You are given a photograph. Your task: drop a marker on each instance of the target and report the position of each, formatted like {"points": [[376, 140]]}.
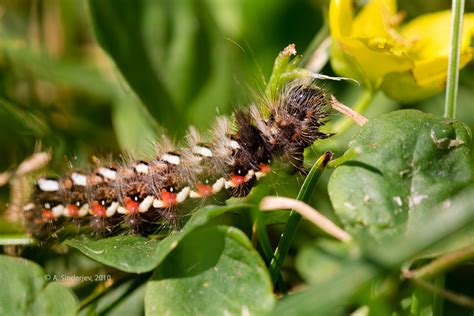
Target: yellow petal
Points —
{"points": [[375, 19], [434, 71], [425, 80], [340, 17], [345, 65], [402, 87], [430, 34], [377, 56]]}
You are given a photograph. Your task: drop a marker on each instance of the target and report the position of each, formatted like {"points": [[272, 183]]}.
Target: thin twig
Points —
{"points": [[443, 263], [358, 118], [271, 203], [457, 298]]}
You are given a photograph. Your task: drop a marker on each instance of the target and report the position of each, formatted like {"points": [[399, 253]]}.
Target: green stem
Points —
{"points": [[361, 105], [16, 239], [313, 51], [294, 218], [457, 12]]}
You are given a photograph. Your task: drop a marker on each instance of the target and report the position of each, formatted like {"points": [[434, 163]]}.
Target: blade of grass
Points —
{"points": [[457, 12], [295, 218]]}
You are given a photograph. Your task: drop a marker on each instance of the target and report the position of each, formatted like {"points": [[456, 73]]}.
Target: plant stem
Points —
{"points": [[294, 219], [317, 55], [457, 13], [457, 298], [271, 203], [16, 239], [362, 103], [444, 262]]}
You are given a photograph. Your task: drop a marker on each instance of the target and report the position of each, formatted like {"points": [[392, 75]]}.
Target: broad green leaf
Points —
{"points": [[408, 162], [321, 261], [137, 254], [335, 292], [214, 271], [26, 292]]}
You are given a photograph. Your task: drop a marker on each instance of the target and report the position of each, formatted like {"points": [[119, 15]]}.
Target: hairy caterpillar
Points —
{"points": [[142, 196]]}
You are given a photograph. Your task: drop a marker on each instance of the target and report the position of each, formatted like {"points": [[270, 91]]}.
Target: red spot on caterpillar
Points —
{"points": [[168, 198], [265, 168], [131, 205], [237, 180], [47, 215], [97, 209], [73, 210], [204, 190]]}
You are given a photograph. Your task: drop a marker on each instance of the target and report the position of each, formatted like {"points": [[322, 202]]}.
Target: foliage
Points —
{"points": [[98, 79]]}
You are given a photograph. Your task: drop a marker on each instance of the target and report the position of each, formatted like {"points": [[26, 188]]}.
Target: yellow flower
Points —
{"points": [[408, 63]]}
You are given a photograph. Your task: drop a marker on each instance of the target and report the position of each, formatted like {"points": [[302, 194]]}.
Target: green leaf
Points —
{"points": [[137, 254], [26, 292], [214, 271], [335, 292], [134, 254], [408, 162], [321, 261]]}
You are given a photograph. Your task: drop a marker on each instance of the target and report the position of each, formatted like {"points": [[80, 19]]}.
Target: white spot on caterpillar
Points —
{"points": [[111, 209], [47, 205], [233, 144], [183, 194], [202, 151], [28, 207], [83, 210], [249, 175], [218, 185], [58, 210], [398, 200], [157, 203], [79, 179], [228, 184], [146, 204], [122, 210], [108, 173], [260, 174], [47, 185], [172, 159], [194, 195], [141, 168]]}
